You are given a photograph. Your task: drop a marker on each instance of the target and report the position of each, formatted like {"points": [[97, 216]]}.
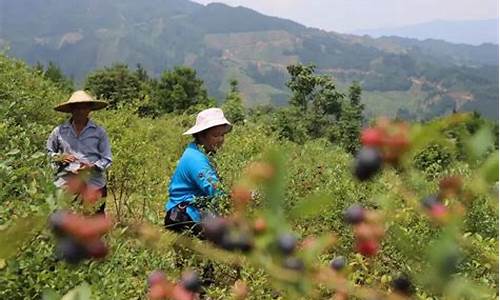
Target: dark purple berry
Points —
{"points": [[191, 282], [287, 243], [430, 201], [355, 214], [368, 162], [214, 229], [234, 240], [71, 251], [403, 285], [338, 263], [449, 263], [156, 277], [56, 221], [293, 263]]}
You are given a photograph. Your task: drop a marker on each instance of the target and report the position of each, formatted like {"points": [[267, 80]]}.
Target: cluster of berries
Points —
{"points": [[79, 237], [286, 244], [368, 229], [161, 288], [227, 234], [448, 187], [89, 194], [385, 142]]}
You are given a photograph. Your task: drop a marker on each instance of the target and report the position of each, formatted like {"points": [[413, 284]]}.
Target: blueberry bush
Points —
{"points": [[298, 220]]}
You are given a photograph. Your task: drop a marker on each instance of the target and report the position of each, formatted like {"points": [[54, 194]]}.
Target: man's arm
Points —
{"points": [[105, 151]]}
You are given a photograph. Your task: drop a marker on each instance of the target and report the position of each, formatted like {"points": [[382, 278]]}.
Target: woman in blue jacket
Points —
{"points": [[195, 179]]}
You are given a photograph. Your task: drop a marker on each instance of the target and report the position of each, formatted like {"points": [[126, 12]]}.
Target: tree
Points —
{"points": [[313, 92], [54, 74], [233, 105], [116, 84], [351, 120], [180, 90], [316, 97]]}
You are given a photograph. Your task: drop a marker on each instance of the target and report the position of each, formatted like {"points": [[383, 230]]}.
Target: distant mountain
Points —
{"points": [[473, 32], [401, 77]]}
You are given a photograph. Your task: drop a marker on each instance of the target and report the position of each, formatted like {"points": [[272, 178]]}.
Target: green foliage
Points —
{"points": [[351, 120], [116, 84], [433, 160], [312, 173], [180, 90], [233, 105], [55, 74]]}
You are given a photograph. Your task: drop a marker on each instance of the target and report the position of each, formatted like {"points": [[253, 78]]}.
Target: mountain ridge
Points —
{"points": [[223, 42]]}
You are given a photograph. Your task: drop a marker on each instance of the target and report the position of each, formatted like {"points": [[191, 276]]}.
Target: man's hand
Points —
{"points": [[86, 166], [68, 158]]}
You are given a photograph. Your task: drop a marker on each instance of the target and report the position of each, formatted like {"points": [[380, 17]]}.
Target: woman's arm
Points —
{"points": [[205, 177]]}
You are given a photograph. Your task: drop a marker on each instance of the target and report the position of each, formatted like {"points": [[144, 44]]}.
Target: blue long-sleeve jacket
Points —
{"points": [[194, 178]]}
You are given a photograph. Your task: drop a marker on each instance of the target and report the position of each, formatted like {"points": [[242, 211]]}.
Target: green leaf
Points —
{"points": [[37, 155], [489, 170], [312, 205], [18, 233], [13, 152], [50, 294], [81, 292], [478, 145]]}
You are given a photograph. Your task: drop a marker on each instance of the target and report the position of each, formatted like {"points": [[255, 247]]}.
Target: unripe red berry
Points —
{"points": [[260, 225], [372, 137], [97, 249], [156, 277], [241, 195], [439, 211], [367, 247]]}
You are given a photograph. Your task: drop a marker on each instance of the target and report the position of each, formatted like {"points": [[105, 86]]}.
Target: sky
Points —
{"points": [[351, 15]]}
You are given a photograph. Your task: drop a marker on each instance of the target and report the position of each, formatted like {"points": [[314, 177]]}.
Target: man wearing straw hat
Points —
{"points": [[195, 178], [80, 150]]}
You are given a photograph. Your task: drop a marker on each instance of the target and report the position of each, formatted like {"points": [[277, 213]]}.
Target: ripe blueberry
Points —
{"points": [[70, 250], [293, 263], [368, 162], [338, 263], [355, 214], [156, 277], [214, 229], [429, 201], [403, 285], [191, 282], [287, 243]]}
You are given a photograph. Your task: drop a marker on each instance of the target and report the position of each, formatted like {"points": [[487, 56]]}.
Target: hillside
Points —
{"points": [[473, 32], [401, 77]]}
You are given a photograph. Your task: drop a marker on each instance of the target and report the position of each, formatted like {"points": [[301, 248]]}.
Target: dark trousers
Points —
{"points": [[178, 220]]}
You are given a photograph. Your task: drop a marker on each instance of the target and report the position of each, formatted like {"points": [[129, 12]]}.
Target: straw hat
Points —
{"points": [[208, 118], [80, 97]]}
